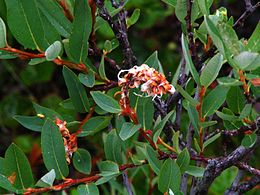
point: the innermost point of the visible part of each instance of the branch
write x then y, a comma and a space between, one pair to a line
215, 167
120, 30
248, 168
244, 187
127, 183
249, 10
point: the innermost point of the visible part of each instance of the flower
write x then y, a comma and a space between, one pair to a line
148, 79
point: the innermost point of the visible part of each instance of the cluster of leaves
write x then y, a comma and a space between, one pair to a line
62, 33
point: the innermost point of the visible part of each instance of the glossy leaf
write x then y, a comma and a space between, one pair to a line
247, 60
33, 123
113, 147
105, 102
3, 41
153, 161
236, 99
16, 163
94, 125
194, 117
153, 62
181, 10
210, 140
145, 112
76, 91
134, 18
214, 100
187, 56
158, 129
128, 130
82, 26
88, 189
175, 141
24, 21
54, 14
203, 5
210, 72
195, 171
5, 184
246, 111
169, 177
254, 41
183, 160
249, 140
170, 2
87, 79
46, 112
47, 180
53, 51
101, 69
187, 96
53, 150
227, 117
228, 81
82, 161
108, 168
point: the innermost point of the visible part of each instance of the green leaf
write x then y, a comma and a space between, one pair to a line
47, 180
113, 147
214, 100
195, 171
187, 96
103, 180
203, 5
197, 146
183, 160
82, 161
33, 123
145, 112
48, 113
247, 60
87, 79
181, 10
175, 141
210, 72
153, 62
229, 82
25, 23
227, 117
94, 125
207, 124
36, 61
54, 14
194, 117
158, 129
254, 41
101, 69
128, 130
105, 102
249, 140
215, 35
53, 150
5, 184
153, 161
108, 168
189, 63
134, 18
169, 177
16, 162
210, 140
246, 111
53, 51
82, 26
88, 189
236, 99
3, 41
76, 91
170, 2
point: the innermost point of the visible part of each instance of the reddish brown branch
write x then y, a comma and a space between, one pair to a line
66, 10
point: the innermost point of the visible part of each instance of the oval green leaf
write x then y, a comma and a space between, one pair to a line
105, 102
53, 51
128, 130
88, 189
53, 150
3, 41
82, 161
33, 123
